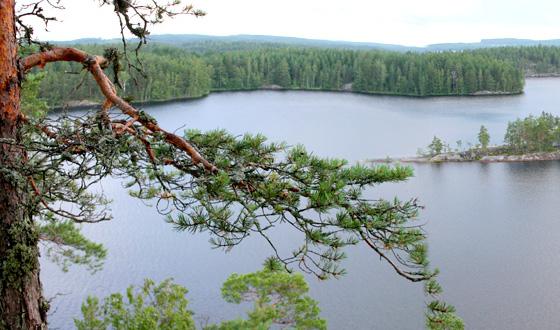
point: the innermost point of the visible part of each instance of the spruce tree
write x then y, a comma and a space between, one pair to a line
436, 146
483, 137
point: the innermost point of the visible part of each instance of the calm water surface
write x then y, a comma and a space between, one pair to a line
493, 228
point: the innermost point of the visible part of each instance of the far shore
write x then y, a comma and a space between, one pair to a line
86, 104
470, 157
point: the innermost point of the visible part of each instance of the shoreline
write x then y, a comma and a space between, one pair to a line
470, 157
85, 104
543, 75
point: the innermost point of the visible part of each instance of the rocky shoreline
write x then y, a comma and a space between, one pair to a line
470, 156
543, 75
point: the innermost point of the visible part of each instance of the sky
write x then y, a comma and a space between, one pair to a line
404, 22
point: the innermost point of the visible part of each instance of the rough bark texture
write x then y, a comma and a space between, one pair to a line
21, 303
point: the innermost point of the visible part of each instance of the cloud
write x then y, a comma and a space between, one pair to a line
396, 21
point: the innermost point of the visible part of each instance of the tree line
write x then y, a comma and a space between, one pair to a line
524, 135
534, 134
533, 60
171, 72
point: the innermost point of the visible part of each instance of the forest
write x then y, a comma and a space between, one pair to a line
533, 60
175, 72
534, 134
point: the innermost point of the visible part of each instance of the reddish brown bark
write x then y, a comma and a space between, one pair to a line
94, 64
21, 303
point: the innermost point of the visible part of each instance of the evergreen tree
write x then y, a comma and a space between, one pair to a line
151, 306
171, 72
282, 74
483, 137
229, 186
436, 146
533, 134
279, 300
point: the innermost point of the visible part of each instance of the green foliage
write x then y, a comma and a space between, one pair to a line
433, 74
261, 185
176, 73
442, 317
534, 134
320, 198
258, 186
278, 298
483, 137
532, 60
162, 306
166, 75
66, 245
436, 146
282, 74
31, 104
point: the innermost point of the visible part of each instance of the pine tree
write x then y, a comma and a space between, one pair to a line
279, 299
227, 185
483, 138
436, 146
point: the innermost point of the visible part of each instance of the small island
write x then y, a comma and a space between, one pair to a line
526, 140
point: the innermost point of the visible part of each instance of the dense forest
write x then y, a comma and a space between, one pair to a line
533, 60
534, 134
176, 72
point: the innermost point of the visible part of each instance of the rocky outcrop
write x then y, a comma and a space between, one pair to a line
494, 93
448, 157
272, 87
538, 156
347, 87
472, 156
542, 75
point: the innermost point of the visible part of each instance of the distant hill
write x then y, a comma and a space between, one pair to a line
244, 41
274, 40
492, 43
197, 42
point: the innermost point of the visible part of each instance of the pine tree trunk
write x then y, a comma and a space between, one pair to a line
21, 302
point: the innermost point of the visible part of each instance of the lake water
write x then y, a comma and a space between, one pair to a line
493, 229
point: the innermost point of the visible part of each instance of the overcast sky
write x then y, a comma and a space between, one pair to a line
407, 22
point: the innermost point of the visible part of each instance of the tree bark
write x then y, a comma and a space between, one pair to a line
21, 302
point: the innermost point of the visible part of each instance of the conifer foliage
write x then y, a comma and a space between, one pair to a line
171, 72
279, 299
229, 186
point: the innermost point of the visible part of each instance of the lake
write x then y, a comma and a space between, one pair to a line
493, 229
